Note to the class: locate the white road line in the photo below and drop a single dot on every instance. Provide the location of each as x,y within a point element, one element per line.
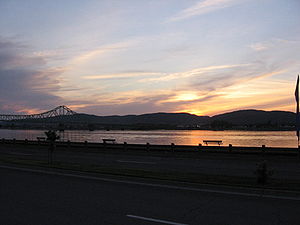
<point>153,185</point>
<point>138,162</point>
<point>155,220</point>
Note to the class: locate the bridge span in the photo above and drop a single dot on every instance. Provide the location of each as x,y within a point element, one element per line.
<point>58,111</point>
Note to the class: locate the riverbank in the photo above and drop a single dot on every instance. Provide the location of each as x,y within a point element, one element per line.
<point>144,128</point>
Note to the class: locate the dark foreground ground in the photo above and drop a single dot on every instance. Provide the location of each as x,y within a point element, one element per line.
<point>217,167</point>
<point>30,197</point>
<point>231,168</point>
<point>113,186</point>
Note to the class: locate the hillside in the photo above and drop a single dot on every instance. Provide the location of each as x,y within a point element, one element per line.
<point>153,118</point>
<point>251,117</point>
<point>242,119</point>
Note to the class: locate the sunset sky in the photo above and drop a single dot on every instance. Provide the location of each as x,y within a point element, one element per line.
<point>119,57</point>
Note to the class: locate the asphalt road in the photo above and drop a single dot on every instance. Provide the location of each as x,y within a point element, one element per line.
<point>28,198</point>
<point>284,167</point>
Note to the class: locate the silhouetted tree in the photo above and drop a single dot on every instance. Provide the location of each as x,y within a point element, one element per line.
<point>51,137</point>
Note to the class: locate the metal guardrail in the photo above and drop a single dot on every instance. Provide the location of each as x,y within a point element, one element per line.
<point>154,148</point>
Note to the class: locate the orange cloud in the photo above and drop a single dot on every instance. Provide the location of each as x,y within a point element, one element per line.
<point>121,75</point>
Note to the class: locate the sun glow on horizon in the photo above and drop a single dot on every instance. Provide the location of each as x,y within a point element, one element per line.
<point>186,97</point>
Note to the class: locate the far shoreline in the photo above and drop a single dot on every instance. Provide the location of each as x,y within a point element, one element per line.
<point>116,129</point>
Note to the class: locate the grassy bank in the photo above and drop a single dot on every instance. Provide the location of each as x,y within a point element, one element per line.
<point>190,177</point>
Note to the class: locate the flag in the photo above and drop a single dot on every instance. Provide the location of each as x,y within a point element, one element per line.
<point>297,109</point>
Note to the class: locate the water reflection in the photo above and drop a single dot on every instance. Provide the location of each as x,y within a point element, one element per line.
<point>185,137</point>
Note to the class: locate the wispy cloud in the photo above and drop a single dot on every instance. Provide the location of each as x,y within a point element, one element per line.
<point>131,102</point>
<point>190,73</point>
<point>272,43</point>
<point>101,51</point>
<point>220,80</point>
<point>259,46</point>
<point>121,75</point>
<point>202,7</point>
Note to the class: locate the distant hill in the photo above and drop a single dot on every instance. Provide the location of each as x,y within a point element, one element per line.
<point>251,117</point>
<point>153,118</point>
<point>242,119</point>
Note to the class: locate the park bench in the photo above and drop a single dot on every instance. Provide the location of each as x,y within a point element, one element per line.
<point>109,140</point>
<point>219,142</point>
<point>41,138</point>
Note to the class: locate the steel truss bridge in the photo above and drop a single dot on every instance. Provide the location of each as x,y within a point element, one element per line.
<point>58,111</point>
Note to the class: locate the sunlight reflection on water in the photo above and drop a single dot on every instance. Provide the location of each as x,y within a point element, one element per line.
<point>184,137</point>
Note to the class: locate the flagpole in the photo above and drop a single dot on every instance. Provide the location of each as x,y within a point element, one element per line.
<point>297,111</point>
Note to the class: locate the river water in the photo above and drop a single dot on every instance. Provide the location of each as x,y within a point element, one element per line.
<point>184,137</point>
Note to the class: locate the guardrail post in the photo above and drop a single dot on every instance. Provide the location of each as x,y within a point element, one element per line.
<point>14,141</point>
<point>125,145</point>
<point>200,147</point>
<point>68,143</point>
<point>85,144</point>
<point>263,149</point>
<point>148,146</point>
<point>230,147</point>
<point>172,147</point>
<point>26,141</point>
